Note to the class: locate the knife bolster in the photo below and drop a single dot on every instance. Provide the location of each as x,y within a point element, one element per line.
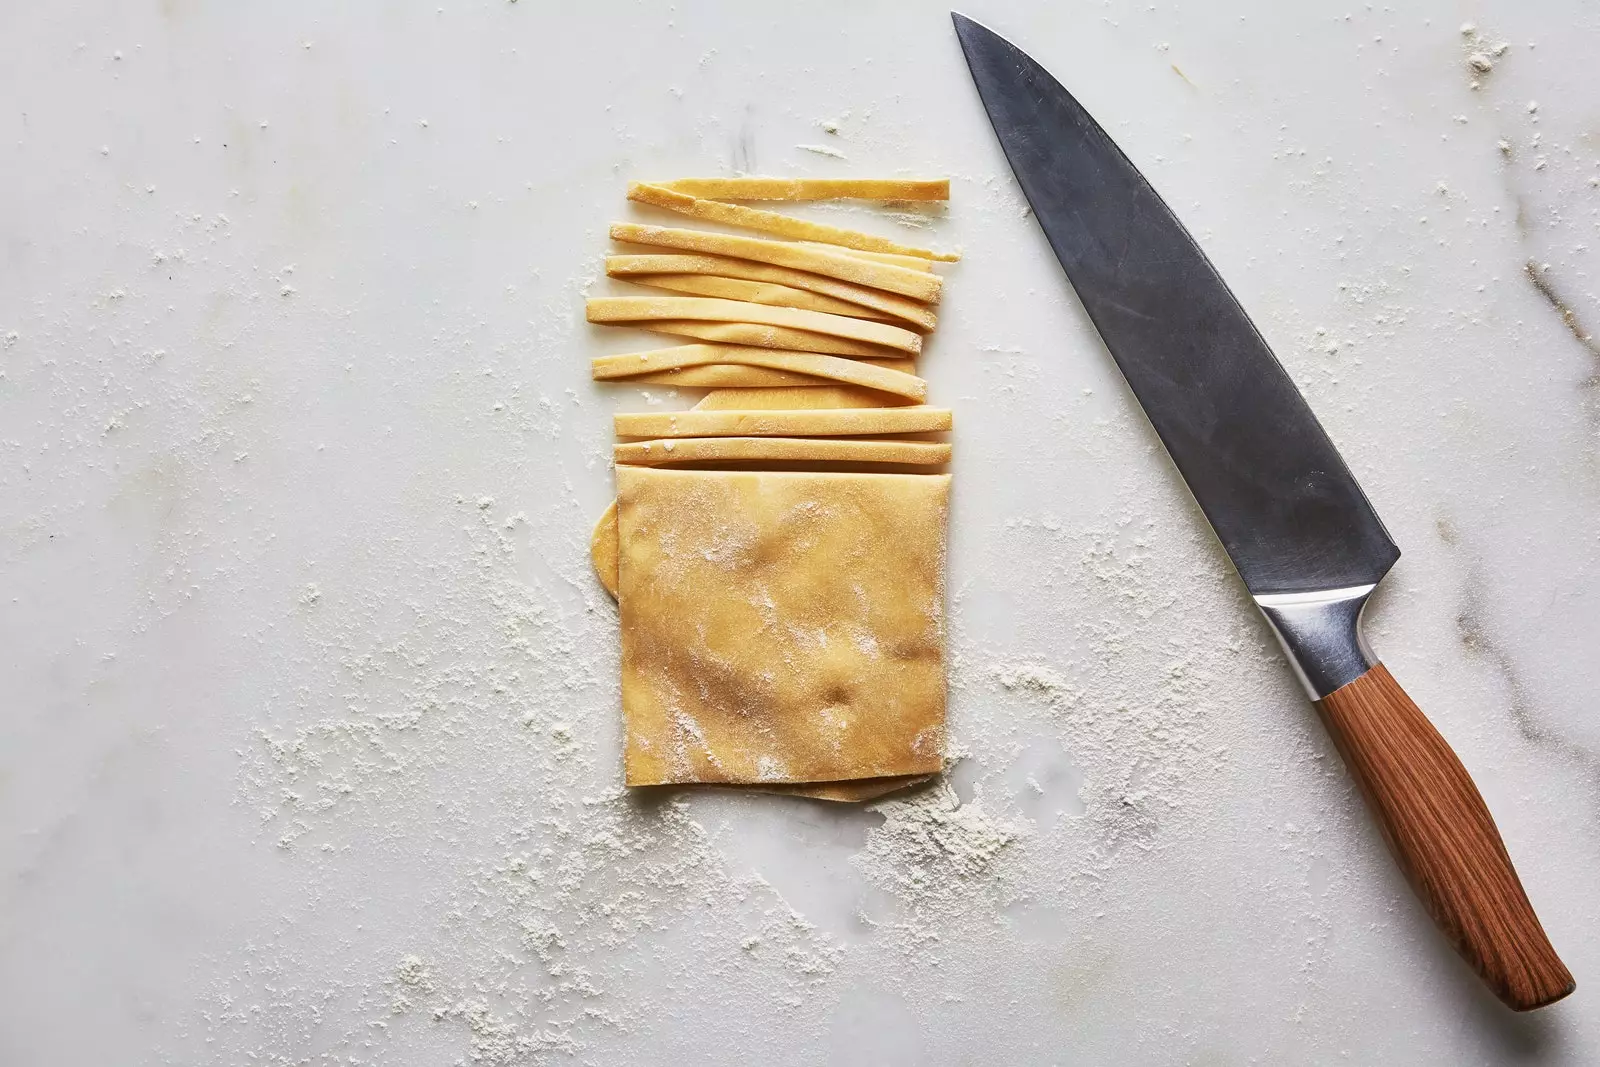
<point>1320,632</point>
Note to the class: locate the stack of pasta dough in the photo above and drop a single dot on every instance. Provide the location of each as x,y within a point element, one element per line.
<point>778,550</point>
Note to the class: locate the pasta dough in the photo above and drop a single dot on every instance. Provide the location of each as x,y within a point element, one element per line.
<point>849,371</point>
<point>769,293</point>
<point>674,451</point>
<point>898,259</point>
<point>919,285</point>
<point>899,307</point>
<point>678,451</point>
<point>811,188</point>
<point>847,422</point>
<point>639,309</point>
<point>755,335</point>
<point>808,397</point>
<point>603,549</point>
<point>750,218</point>
<point>782,631</point>
<point>724,376</point>
<point>603,541</point>
<point>836,577</point>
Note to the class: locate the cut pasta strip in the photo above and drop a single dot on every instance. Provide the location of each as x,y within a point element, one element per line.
<point>635,309</point>
<point>732,377</point>
<point>755,292</point>
<point>811,188</point>
<point>631,267</point>
<point>843,422</point>
<point>736,378</point>
<point>751,218</point>
<point>805,397</point>
<point>849,371</point>
<point>778,449</point>
<point>759,336</point>
<point>894,258</point>
<point>919,285</point>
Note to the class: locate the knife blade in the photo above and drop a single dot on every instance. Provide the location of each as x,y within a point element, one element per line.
<point>1288,512</point>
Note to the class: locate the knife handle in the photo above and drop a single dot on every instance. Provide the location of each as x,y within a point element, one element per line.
<point>1443,837</point>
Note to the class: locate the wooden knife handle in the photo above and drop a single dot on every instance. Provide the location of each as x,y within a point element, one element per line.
<point>1443,837</point>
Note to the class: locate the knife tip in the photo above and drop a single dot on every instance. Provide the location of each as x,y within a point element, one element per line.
<point>968,29</point>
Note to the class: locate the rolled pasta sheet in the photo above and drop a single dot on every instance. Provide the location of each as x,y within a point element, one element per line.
<point>603,550</point>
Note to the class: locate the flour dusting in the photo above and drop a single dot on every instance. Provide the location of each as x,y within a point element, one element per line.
<point>931,844</point>
<point>1481,54</point>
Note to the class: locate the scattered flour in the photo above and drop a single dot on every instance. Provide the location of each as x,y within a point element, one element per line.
<point>1481,54</point>
<point>932,845</point>
<point>1038,679</point>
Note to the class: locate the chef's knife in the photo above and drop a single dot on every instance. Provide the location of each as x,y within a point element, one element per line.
<point>1284,505</point>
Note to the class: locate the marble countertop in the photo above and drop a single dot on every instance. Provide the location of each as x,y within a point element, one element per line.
<point>310,743</point>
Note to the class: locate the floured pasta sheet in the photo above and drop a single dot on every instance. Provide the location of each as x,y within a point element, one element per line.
<point>781,626</point>
<point>603,549</point>
<point>777,551</point>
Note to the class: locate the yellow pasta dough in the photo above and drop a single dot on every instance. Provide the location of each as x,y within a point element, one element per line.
<point>841,264</point>
<point>603,541</point>
<point>899,307</point>
<point>641,309</point>
<point>757,335</point>
<point>899,259</point>
<point>781,627</point>
<point>846,422</point>
<point>750,218</point>
<point>850,371</point>
<point>755,292</point>
<point>812,396</point>
<point>782,630</point>
<point>812,188</point>
<point>603,549</point>
<point>674,451</point>
<point>725,376</point>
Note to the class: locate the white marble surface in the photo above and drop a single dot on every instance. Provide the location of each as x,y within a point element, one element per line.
<point>298,458</point>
